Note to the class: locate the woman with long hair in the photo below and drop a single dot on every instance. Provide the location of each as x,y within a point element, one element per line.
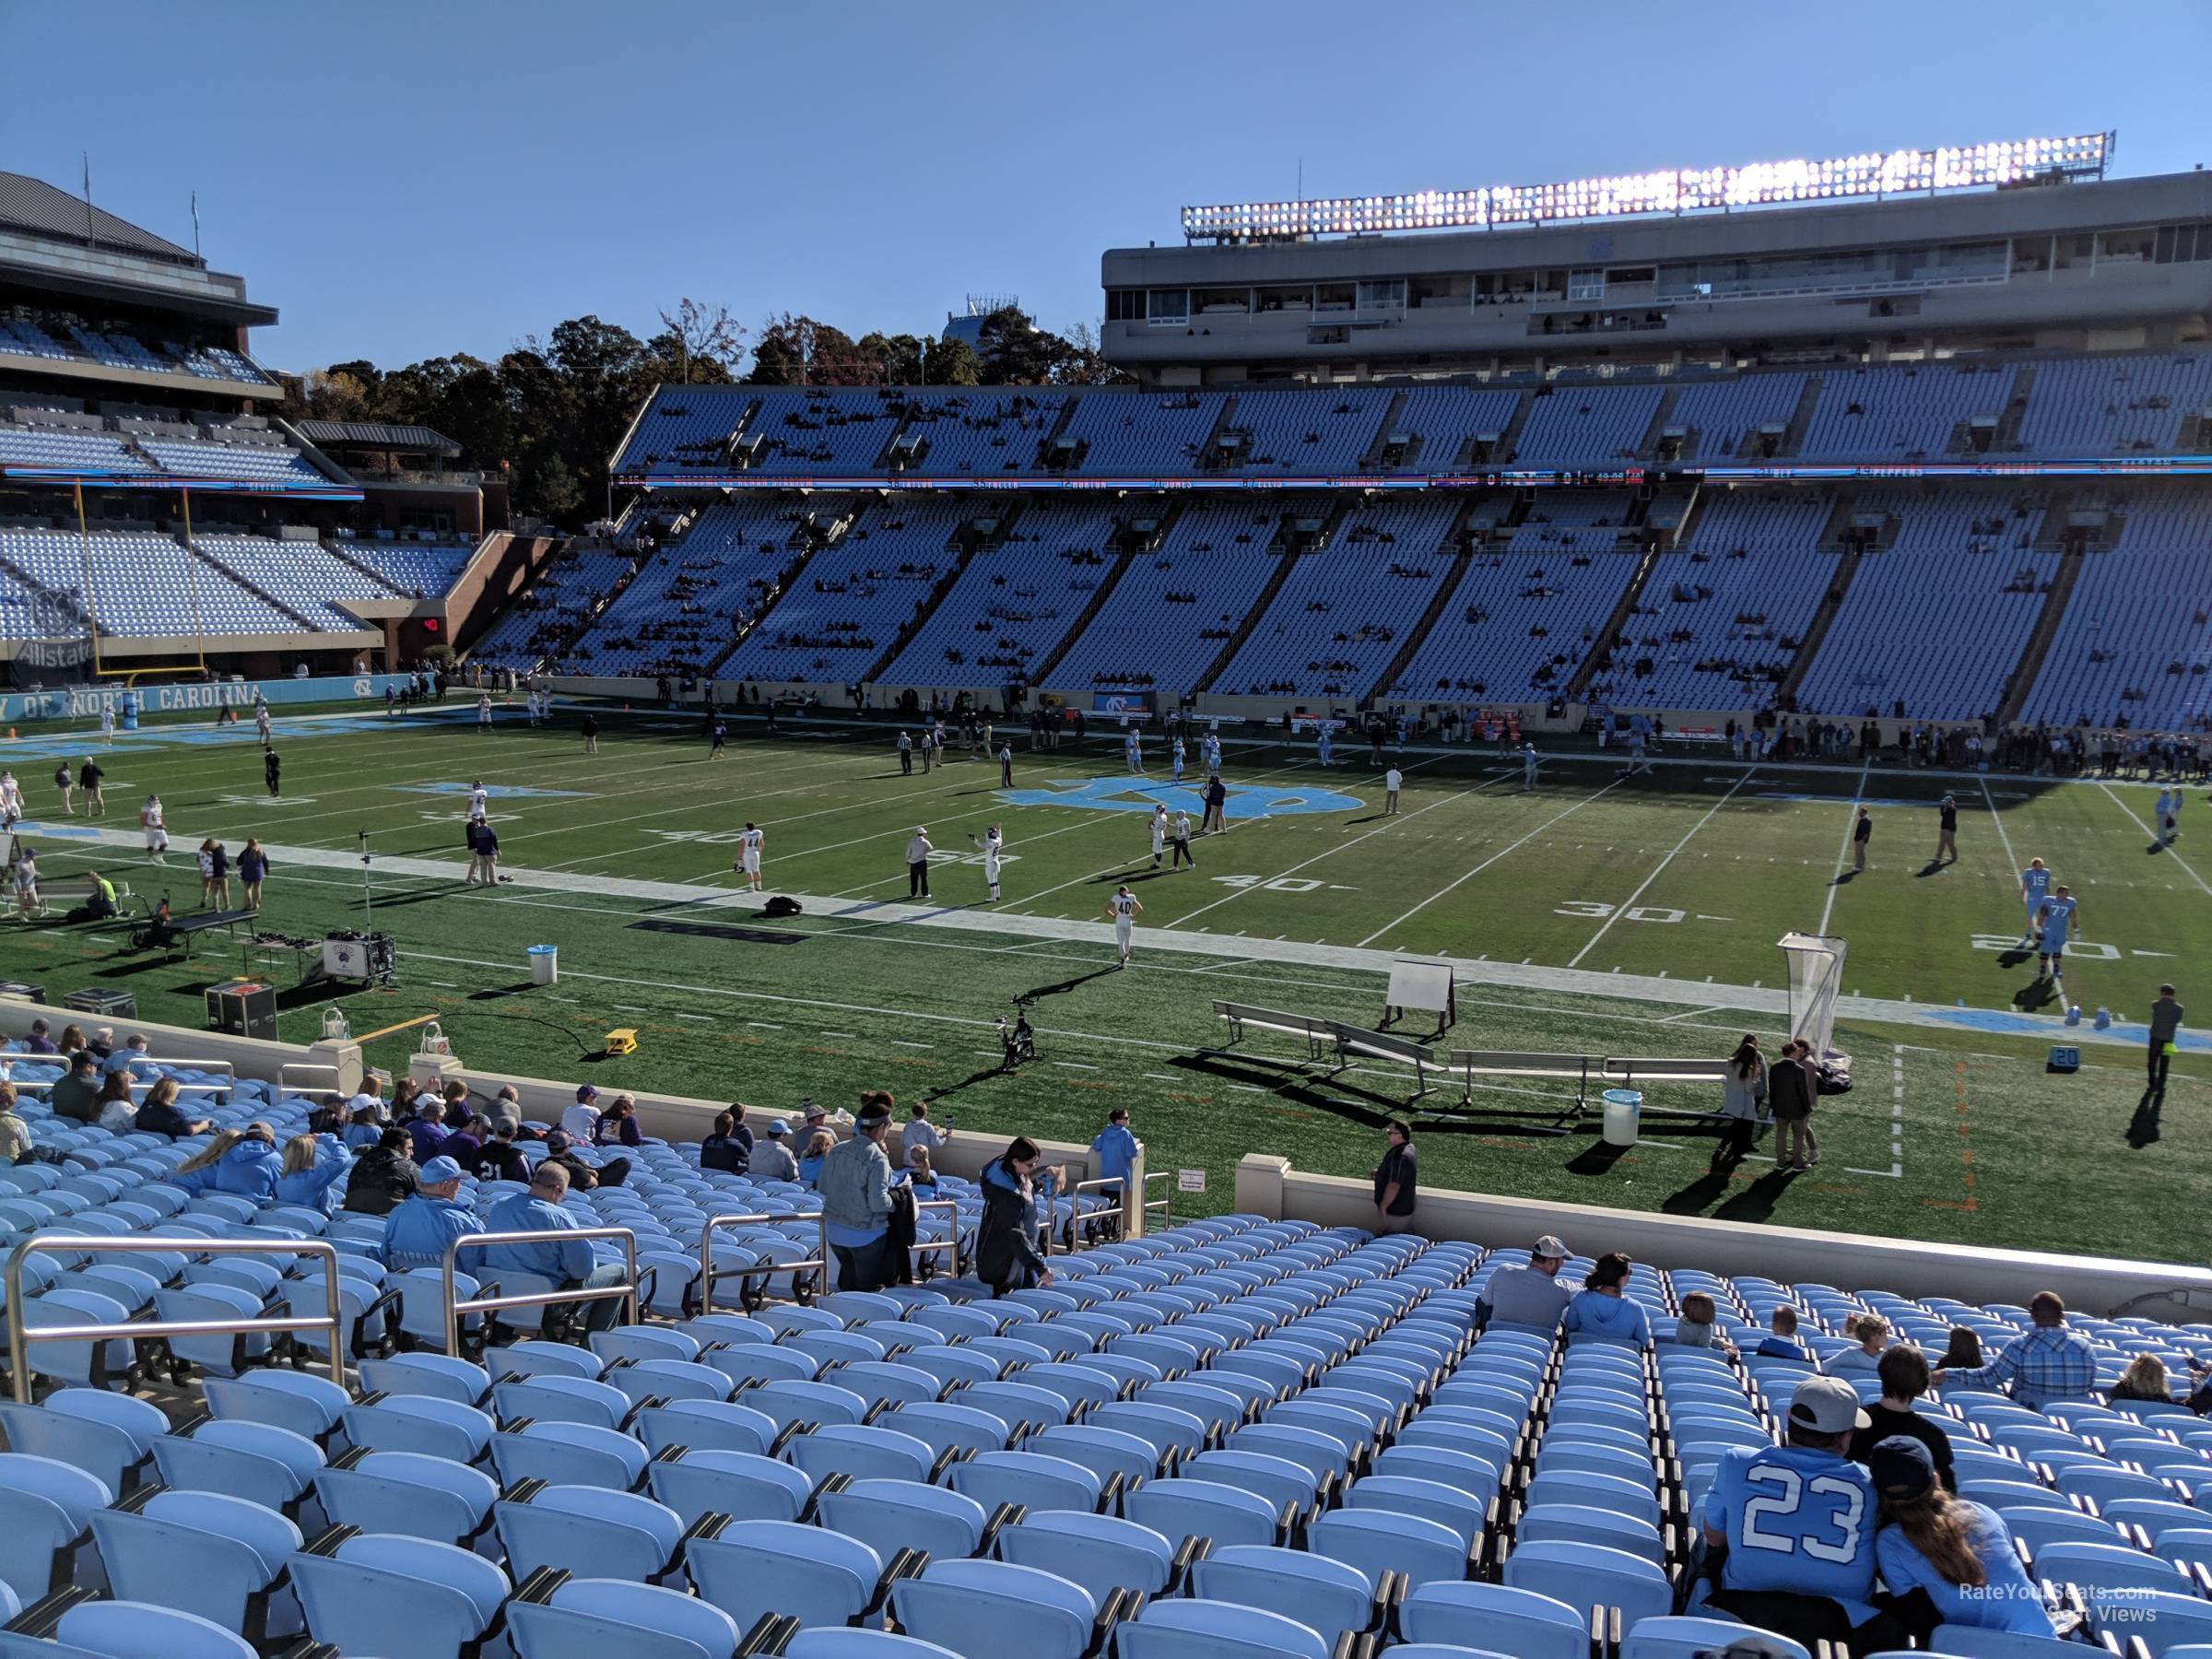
<point>118,1111</point>
<point>70,1040</point>
<point>207,873</point>
<point>1007,1257</point>
<point>312,1164</point>
<point>1959,1551</point>
<point>252,870</point>
<point>1742,1092</point>
<point>195,1174</point>
<point>2146,1378</point>
<point>811,1158</point>
<point>1963,1352</point>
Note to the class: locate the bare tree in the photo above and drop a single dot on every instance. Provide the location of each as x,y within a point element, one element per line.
<point>704,332</point>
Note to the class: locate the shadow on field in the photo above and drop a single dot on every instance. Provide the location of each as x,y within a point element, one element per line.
<point>1061,987</point>
<point>1755,1203</point>
<point>2143,1128</point>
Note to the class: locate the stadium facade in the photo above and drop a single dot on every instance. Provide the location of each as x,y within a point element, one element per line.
<point>1942,455</point>
<point>158,512</point>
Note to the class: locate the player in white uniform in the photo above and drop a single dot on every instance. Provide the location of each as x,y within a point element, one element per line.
<point>748,855</point>
<point>2169,811</point>
<point>1212,752</point>
<point>107,722</point>
<point>156,832</point>
<point>2035,887</point>
<point>27,882</point>
<point>478,798</point>
<point>482,710</point>
<point>1177,753</point>
<point>1159,834</point>
<point>2060,911</point>
<point>1528,766</point>
<point>11,799</point>
<point>1133,750</point>
<point>1324,744</point>
<point>1125,910</point>
<point>994,847</point>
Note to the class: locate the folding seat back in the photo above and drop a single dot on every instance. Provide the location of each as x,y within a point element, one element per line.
<point>1180,1508</point>
<point>409,1494</point>
<point>1326,1595</point>
<point>271,1466</point>
<point>574,1454</point>
<point>523,1361</point>
<point>863,1452</point>
<point>1598,1492</point>
<point>892,1516</point>
<point>199,1552</point>
<point>45,1508</point>
<point>1280,1481</point>
<point>420,1423</point>
<point>970,1606</point>
<point>1514,1621</point>
<point>1377,1541</point>
<point>382,1594</point>
<point>550,1399</point>
<point>1578,1524</point>
<point>117,1630</point>
<point>1164,1427</point>
<point>1104,1451</point>
<point>947,1426</point>
<point>1691,1638</point>
<point>109,1436</point>
<point>1215,1629</point>
<point>296,1400</point>
<point>1592,1575</point>
<point>788,1403</point>
<point>441,1375</point>
<point>741,1484</point>
<point>882,1382</point>
<point>1445,1505</point>
<point>582,1530</point>
<point>1103,1553</point>
<point>707,1424</point>
<point>589,1617</point>
<point>1030,1478</point>
<point>810,1573</point>
<point>2107,1567</point>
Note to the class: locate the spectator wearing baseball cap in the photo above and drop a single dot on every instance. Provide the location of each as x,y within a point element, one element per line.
<point>423,1227</point>
<point>1957,1552</point>
<point>856,1188</point>
<point>581,1121</point>
<point>1530,1298</point>
<point>1796,1522</point>
<point>771,1160</point>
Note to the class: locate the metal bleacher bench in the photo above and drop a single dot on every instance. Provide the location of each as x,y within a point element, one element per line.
<point>1577,1069</point>
<point>1320,1035</point>
<point>67,892</point>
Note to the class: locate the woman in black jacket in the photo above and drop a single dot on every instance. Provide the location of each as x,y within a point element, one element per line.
<point>383,1177</point>
<point>1007,1257</point>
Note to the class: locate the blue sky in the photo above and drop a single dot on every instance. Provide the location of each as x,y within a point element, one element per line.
<point>411,179</point>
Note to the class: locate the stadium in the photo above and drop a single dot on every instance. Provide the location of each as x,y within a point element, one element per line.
<point>1476,657</point>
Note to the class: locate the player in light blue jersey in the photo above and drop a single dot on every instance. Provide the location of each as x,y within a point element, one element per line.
<point>2035,887</point>
<point>1797,1523</point>
<point>2060,912</point>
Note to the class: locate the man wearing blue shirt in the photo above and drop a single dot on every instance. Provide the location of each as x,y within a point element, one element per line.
<point>424,1225</point>
<point>570,1264</point>
<point>1797,1523</point>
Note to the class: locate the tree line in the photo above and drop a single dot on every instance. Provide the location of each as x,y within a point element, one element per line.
<point>548,414</point>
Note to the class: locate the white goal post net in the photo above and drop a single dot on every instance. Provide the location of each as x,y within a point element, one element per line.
<point>1816,981</point>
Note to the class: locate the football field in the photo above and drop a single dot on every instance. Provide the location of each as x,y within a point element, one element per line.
<point>1594,912</point>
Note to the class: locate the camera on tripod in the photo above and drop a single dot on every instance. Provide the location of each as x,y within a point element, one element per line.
<point>1018,1039</point>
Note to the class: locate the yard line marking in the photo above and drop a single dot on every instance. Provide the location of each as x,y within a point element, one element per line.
<point>1690,1013</point>
<point>1606,926</point>
<point>705,1019</point>
<point>763,1024</point>
<point>1487,863</point>
<point>1851,817</point>
<point>1330,851</point>
<point>854,1034</point>
<point>2147,829</point>
<point>1076,1064</point>
<point>2011,860</point>
<point>909,1043</point>
<point>444,985</point>
<point>1162,1076</point>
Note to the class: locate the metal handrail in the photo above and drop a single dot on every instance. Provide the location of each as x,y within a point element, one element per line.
<point>19,1334</point>
<point>454,1308</point>
<point>714,1224</point>
<point>950,1242</point>
<point>1165,1205</point>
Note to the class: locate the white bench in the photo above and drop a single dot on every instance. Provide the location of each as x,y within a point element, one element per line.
<point>1381,1045</point>
<point>1577,1069</point>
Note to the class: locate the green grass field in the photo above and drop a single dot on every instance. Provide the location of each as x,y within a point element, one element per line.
<point>623,860</point>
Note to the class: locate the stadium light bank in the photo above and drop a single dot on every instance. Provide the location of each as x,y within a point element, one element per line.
<point>1760,183</point>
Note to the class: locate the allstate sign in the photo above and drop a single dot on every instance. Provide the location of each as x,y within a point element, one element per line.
<point>1141,795</point>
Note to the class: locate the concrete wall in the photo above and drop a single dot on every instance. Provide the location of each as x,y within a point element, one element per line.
<point>1269,1185</point>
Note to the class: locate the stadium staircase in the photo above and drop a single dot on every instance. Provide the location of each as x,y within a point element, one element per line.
<point>1509,441</point>
<point>1661,418</point>
<point>1131,547</point>
<point>1371,459</point>
<point>1446,591</point>
<point>1801,418</point>
<point>1830,603</point>
<point>1281,575</point>
<point>2074,548</point>
<point>373,574</point>
<point>1045,444</point>
<point>972,543</point>
<point>1601,650</point>
<point>223,573</point>
<point>810,544</point>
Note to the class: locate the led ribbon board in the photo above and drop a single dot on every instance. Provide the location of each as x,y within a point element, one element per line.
<point>1760,183</point>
